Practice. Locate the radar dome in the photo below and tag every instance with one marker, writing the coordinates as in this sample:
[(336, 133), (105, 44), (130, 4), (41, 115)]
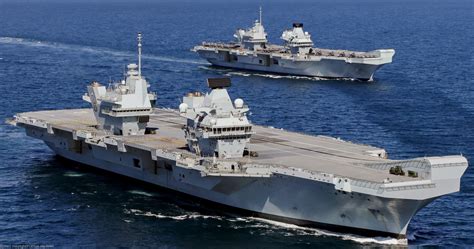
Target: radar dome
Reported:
[(132, 66), (239, 103), (213, 121), (183, 107)]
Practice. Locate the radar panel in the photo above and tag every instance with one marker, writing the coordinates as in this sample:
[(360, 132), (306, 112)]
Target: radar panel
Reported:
[(297, 25), (214, 83)]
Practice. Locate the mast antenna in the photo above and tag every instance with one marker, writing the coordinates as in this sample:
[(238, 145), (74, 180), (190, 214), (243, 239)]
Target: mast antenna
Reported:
[(139, 38), (260, 12), (124, 73)]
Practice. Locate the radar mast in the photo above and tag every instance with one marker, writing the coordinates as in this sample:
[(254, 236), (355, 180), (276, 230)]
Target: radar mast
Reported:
[(139, 38)]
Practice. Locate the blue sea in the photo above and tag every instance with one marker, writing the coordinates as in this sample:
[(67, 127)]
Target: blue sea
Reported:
[(420, 105)]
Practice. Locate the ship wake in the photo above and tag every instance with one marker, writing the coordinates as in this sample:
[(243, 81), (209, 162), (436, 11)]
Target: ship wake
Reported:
[(242, 73), (143, 193), (90, 49), (270, 226), (186, 216), (298, 230)]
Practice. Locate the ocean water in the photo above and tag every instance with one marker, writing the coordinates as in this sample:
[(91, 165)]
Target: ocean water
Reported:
[(422, 104)]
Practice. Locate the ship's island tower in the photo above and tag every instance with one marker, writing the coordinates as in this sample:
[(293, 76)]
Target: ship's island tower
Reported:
[(215, 126), (296, 40), (123, 108), (253, 38)]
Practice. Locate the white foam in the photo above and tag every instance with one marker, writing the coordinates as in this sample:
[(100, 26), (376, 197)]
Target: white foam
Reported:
[(160, 216), (87, 49), (173, 217), (278, 76), (73, 174), (230, 72), (274, 76), (200, 216), (138, 192), (239, 219), (268, 224), (317, 232)]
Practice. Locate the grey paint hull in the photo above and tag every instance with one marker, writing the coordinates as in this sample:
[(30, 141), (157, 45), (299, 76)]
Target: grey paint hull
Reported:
[(334, 194), (315, 204), (325, 67)]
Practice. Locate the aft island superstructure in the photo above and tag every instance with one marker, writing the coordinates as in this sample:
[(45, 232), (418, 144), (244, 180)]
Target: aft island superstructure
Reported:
[(209, 149), (297, 56)]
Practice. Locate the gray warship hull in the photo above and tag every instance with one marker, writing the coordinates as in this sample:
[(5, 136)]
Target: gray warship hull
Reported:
[(324, 66), (300, 209), (327, 182)]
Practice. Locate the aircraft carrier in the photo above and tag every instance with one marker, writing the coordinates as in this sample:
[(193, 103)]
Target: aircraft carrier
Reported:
[(209, 149), (297, 56)]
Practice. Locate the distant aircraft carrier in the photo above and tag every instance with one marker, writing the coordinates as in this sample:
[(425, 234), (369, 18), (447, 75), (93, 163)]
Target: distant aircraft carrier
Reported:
[(210, 150), (296, 57)]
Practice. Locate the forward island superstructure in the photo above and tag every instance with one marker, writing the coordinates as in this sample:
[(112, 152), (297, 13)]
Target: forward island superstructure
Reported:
[(210, 150), (297, 56)]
